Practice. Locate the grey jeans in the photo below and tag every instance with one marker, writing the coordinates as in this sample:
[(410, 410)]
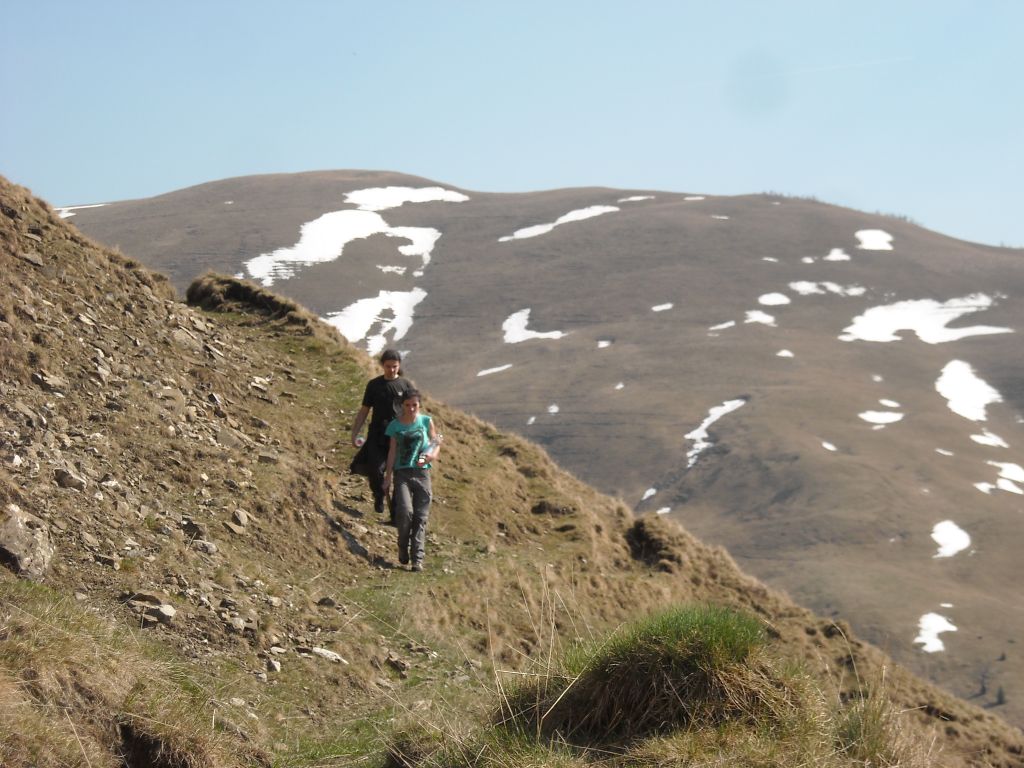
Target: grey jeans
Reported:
[(412, 508)]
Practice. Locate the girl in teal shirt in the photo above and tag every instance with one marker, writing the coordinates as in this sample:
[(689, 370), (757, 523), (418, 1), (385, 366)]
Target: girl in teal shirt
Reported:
[(414, 445)]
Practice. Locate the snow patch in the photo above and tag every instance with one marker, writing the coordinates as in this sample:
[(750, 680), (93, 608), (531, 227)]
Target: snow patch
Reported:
[(881, 417), (385, 198), (648, 493), (390, 311), (757, 316), (925, 317), (773, 299), (499, 369), (950, 537), (837, 254), (1010, 473), (543, 229), (662, 307), (324, 239), (874, 240), (67, 211), (966, 393), (988, 438), (828, 446), (700, 437), (516, 332), (784, 353), (808, 288), (930, 626)]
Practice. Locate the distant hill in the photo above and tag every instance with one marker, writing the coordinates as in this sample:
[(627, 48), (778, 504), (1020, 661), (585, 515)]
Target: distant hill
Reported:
[(834, 396)]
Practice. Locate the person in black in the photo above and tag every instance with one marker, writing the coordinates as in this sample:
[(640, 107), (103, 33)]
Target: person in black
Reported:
[(382, 398)]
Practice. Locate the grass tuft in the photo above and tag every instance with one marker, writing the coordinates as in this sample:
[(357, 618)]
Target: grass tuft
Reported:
[(222, 293), (868, 731), (689, 665), (691, 686)]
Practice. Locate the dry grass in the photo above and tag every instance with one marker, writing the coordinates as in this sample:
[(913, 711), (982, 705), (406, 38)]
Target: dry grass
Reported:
[(79, 689), (222, 293), (691, 686), (690, 666)]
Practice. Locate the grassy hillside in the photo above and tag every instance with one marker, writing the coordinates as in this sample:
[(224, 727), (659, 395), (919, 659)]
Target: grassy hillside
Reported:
[(203, 583), (642, 323)]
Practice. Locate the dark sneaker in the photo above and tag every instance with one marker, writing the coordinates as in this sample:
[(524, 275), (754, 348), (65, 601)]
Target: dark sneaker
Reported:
[(403, 558), (378, 506), (417, 566)]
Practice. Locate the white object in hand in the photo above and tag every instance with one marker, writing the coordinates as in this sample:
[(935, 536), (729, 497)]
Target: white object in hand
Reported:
[(431, 447), (359, 441)]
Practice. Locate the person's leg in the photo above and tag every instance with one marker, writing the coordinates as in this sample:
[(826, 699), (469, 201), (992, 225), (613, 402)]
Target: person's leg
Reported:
[(376, 479), (403, 514), (421, 497), (390, 502), (378, 456)]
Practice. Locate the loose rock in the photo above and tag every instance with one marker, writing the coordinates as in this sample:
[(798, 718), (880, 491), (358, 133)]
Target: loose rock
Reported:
[(25, 544), (68, 479)]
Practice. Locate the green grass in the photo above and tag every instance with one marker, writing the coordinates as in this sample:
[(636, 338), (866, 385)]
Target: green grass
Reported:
[(687, 665), (679, 640), (357, 740)]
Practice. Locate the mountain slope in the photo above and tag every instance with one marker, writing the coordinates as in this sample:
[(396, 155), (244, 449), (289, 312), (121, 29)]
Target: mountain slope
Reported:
[(184, 475), (834, 396)]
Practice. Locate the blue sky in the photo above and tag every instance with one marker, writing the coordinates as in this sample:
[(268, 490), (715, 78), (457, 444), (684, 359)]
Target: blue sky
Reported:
[(911, 108)]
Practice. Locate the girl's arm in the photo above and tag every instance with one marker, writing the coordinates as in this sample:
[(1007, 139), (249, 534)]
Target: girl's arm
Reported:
[(389, 465), (435, 441)]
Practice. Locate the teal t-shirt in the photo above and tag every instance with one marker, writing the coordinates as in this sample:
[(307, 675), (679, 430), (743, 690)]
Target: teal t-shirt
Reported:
[(412, 440)]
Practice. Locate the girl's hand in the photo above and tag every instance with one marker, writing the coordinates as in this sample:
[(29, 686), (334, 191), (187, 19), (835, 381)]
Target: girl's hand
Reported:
[(432, 451)]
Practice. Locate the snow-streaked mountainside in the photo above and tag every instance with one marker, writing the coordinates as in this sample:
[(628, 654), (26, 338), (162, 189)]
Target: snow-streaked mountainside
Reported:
[(834, 396)]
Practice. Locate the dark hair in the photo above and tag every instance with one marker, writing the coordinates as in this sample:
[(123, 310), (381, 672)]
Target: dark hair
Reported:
[(390, 354), (411, 393)]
